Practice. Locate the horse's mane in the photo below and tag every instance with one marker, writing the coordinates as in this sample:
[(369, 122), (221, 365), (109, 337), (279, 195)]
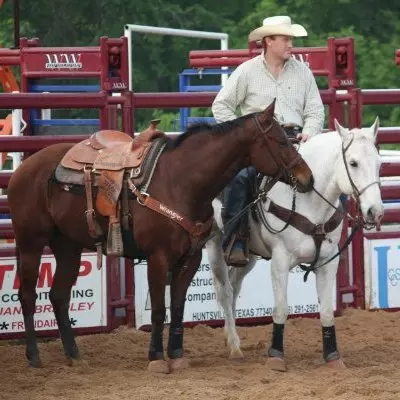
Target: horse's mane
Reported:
[(201, 127)]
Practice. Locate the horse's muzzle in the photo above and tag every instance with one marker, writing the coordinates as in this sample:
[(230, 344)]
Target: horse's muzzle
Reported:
[(375, 215), (305, 187)]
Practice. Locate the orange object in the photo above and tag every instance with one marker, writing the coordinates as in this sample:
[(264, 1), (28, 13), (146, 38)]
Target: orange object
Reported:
[(6, 129), (7, 79)]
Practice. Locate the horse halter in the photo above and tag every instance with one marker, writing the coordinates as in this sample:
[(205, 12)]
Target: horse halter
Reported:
[(357, 193), (278, 160), (359, 218)]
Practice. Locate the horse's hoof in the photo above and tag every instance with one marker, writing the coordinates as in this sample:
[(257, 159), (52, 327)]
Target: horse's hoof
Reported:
[(276, 364), (236, 355), (35, 363), (159, 367), (176, 364), (336, 364)]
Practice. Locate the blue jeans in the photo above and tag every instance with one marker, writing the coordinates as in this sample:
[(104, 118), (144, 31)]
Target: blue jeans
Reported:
[(237, 196)]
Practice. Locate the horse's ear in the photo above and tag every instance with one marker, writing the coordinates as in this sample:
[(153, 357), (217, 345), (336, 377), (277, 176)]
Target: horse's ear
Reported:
[(340, 129), (269, 111), (375, 128)]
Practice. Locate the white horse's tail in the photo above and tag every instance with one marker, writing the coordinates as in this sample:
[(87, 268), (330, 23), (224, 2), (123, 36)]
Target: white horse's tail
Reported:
[(217, 205)]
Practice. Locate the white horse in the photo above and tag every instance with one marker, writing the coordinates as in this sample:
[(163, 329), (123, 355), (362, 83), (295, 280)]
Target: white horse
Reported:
[(342, 161)]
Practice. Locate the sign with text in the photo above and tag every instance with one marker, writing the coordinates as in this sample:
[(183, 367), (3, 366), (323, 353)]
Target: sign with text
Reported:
[(382, 273), (88, 305), (42, 62), (255, 299)]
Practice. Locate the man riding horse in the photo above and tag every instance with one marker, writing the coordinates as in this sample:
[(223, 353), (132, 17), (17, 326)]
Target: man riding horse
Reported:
[(254, 84)]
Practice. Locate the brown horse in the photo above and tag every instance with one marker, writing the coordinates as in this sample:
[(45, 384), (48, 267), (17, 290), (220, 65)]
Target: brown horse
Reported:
[(190, 173)]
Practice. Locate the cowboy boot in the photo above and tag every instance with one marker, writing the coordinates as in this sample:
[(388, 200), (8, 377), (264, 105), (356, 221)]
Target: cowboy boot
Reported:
[(238, 253), (236, 197)]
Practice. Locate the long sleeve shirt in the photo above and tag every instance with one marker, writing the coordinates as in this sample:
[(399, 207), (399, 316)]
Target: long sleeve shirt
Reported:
[(251, 88)]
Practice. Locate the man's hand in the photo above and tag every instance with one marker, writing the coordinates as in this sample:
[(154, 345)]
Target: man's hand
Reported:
[(303, 137)]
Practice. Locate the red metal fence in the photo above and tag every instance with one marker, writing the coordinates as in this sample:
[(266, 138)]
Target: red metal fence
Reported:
[(336, 61)]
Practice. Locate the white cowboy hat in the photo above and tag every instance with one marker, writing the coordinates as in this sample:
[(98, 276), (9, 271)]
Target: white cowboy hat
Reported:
[(280, 25)]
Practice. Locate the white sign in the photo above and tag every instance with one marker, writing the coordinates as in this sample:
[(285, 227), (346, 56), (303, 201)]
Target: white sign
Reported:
[(63, 61), (382, 273), (255, 299), (88, 305)]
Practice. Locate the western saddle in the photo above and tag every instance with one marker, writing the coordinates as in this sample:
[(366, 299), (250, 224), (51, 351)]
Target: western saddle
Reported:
[(106, 160)]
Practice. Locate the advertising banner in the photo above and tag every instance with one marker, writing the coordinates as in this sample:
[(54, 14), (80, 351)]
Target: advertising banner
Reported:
[(255, 299), (88, 305), (382, 273)]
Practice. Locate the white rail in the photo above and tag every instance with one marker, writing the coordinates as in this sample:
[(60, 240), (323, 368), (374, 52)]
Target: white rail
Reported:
[(155, 30)]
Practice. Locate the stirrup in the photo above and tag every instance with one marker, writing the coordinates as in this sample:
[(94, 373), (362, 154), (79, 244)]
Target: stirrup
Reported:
[(236, 257)]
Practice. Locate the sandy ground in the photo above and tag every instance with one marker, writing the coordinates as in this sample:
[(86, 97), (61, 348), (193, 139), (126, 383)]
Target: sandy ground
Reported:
[(115, 365)]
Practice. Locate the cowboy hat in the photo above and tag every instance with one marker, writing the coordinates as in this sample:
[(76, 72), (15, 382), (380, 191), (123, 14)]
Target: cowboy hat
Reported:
[(280, 25)]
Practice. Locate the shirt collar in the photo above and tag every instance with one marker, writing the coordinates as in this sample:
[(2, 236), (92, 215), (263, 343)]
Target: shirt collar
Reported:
[(285, 66)]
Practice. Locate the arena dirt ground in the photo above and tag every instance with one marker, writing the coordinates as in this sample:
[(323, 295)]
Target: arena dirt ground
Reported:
[(115, 365)]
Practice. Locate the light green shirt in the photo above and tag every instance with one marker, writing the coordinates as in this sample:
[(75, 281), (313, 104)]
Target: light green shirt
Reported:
[(252, 87)]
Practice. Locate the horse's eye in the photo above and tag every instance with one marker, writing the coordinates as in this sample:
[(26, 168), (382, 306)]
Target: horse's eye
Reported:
[(353, 163)]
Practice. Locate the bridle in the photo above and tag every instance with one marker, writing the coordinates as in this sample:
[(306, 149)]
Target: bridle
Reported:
[(358, 219), (319, 235), (282, 168), (267, 183), (266, 138), (356, 192)]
